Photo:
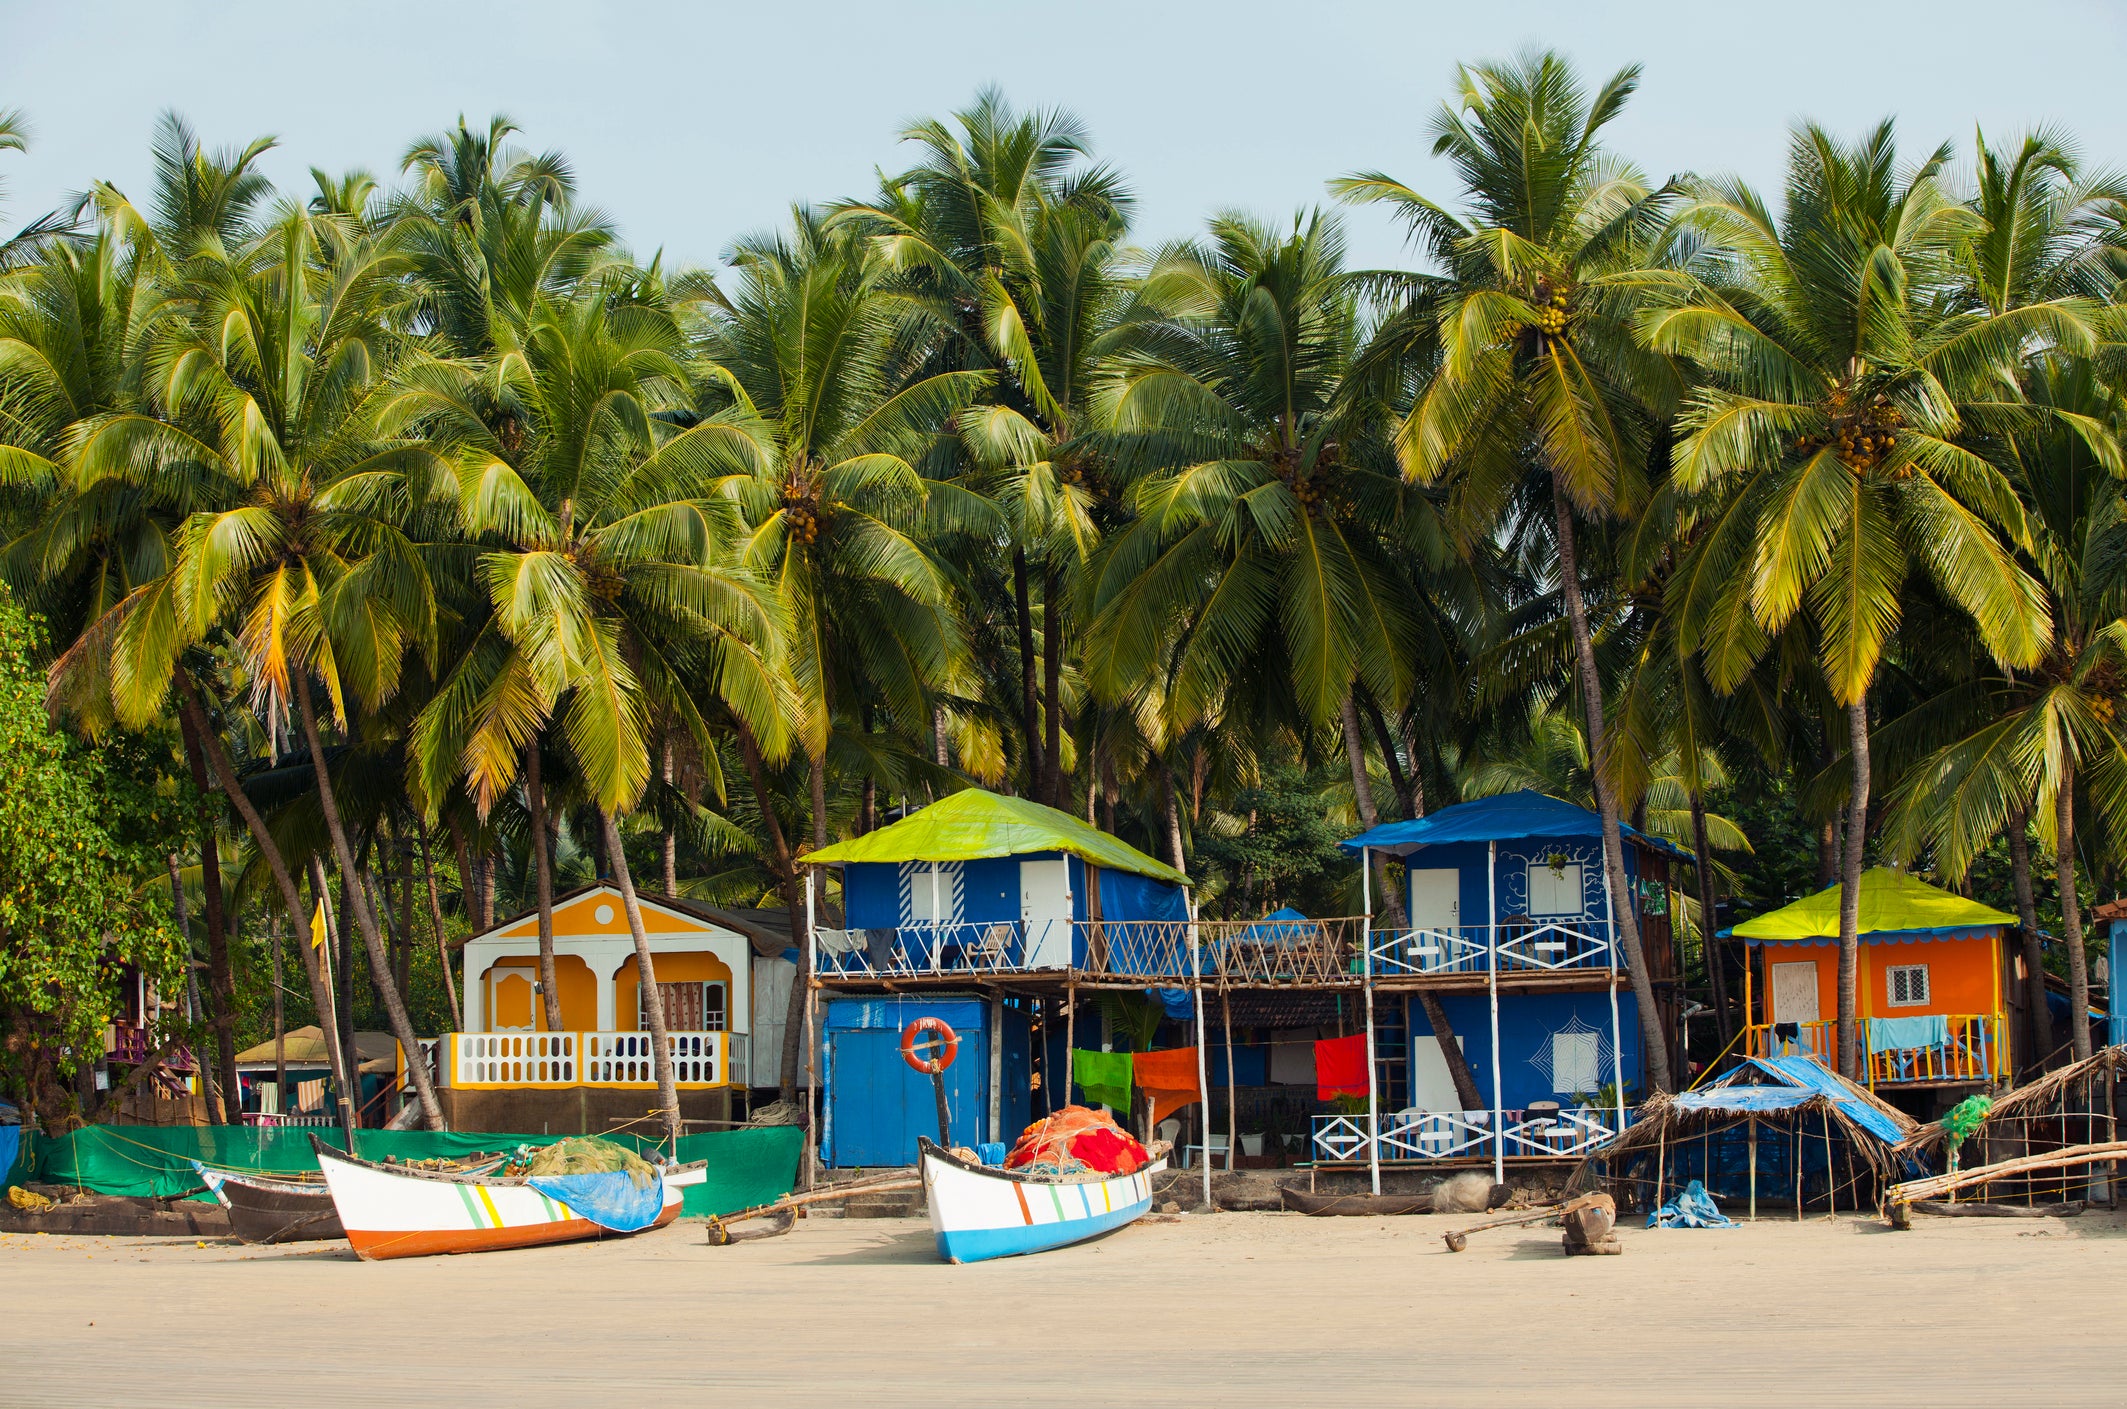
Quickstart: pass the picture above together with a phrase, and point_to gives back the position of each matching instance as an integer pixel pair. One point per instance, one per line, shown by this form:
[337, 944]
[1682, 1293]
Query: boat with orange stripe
[395, 1211]
[979, 1212]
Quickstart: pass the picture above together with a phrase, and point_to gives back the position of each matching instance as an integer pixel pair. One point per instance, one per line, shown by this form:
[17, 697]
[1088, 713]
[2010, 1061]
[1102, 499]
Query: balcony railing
[1249, 953]
[1442, 1135]
[131, 1043]
[1550, 946]
[1968, 1047]
[556, 1059]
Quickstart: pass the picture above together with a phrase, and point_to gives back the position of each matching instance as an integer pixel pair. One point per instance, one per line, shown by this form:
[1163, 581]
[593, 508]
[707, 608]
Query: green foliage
[1284, 852]
[82, 833]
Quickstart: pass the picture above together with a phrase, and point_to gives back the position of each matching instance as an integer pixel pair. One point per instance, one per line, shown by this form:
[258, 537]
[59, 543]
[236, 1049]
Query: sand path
[1236, 1308]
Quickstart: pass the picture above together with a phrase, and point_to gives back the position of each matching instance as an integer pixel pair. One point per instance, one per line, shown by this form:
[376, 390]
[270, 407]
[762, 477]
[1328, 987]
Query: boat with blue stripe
[979, 1213]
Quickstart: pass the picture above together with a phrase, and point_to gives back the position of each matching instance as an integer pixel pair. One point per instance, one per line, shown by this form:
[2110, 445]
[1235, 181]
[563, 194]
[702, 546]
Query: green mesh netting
[745, 1167]
[1965, 1118]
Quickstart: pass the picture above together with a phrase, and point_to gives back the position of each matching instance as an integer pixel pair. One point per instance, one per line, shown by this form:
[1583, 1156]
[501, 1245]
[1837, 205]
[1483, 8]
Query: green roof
[1891, 902]
[971, 825]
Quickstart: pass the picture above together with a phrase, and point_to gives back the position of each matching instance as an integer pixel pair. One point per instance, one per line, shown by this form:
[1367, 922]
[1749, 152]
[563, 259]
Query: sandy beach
[1253, 1308]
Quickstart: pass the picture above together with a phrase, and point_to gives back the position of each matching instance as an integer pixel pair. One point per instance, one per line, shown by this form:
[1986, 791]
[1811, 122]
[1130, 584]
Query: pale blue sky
[691, 124]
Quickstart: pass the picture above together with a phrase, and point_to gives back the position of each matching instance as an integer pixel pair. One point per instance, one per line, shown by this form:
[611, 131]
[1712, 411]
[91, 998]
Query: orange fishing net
[1076, 1139]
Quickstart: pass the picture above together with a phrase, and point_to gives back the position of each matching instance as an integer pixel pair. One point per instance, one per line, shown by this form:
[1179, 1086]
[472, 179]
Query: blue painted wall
[2115, 981]
[1515, 858]
[877, 1105]
[1527, 1022]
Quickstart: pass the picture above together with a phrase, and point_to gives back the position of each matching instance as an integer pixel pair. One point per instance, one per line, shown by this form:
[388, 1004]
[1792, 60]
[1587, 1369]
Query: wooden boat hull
[389, 1213]
[980, 1213]
[1353, 1205]
[274, 1210]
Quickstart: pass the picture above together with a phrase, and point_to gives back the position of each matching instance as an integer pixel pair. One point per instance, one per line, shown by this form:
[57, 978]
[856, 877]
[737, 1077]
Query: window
[1909, 985]
[1554, 890]
[689, 1007]
[1576, 1062]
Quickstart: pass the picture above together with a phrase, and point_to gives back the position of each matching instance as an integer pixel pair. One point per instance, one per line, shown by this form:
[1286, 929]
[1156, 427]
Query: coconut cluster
[801, 513]
[1862, 433]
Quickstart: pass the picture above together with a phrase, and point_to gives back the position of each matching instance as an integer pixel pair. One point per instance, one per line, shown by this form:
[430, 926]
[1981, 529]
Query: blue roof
[1782, 1083]
[1507, 817]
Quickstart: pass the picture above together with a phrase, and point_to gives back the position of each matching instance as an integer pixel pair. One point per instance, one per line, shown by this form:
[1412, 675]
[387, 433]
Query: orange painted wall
[1963, 977]
[691, 966]
[578, 987]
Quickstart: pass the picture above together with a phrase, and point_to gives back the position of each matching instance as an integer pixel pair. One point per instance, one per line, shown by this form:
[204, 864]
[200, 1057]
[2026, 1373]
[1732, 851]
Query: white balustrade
[583, 1058]
[1441, 1135]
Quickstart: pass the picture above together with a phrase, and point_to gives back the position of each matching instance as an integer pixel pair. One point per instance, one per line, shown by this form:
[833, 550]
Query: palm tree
[802, 350]
[1838, 418]
[269, 389]
[609, 567]
[1534, 384]
[1009, 259]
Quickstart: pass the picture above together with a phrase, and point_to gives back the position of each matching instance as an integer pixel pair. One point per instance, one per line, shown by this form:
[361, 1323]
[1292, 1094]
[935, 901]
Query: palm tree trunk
[535, 800]
[1451, 1052]
[1030, 705]
[1857, 814]
[1716, 970]
[291, 897]
[646, 974]
[671, 846]
[1397, 778]
[2039, 1020]
[435, 918]
[1654, 1048]
[221, 980]
[1171, 818]
[1052, 614]
[379, 968]
[2071, 911]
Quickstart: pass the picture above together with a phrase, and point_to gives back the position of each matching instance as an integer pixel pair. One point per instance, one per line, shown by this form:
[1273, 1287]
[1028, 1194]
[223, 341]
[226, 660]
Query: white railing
[1514, 947]
[1438, 1135]
[1252, 952]
[584, 1058]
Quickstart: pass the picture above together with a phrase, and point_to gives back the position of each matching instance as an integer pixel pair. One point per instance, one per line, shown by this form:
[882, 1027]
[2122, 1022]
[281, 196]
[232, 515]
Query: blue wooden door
[881, 1105]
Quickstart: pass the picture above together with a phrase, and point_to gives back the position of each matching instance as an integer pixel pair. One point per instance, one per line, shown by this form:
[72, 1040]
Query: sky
[692, 124]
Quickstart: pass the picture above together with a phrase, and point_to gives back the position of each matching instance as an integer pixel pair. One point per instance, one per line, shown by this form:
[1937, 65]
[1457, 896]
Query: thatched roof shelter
[1775, 1126]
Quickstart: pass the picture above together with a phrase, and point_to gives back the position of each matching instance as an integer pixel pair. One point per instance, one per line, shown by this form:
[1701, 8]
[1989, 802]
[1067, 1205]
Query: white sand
[1255, 1308]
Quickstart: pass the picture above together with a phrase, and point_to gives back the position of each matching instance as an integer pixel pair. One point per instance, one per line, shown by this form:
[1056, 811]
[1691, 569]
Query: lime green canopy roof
[970, 825]
[1891, 901]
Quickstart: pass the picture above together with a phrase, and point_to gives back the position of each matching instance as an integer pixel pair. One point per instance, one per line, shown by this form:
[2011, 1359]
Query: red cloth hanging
[1340, 1067]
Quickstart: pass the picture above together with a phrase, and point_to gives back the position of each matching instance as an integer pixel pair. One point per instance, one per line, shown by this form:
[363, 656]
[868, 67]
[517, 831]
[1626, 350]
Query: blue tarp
[1794, 1081]
[1693, 1207]
[609, 1200]
[1507, 817]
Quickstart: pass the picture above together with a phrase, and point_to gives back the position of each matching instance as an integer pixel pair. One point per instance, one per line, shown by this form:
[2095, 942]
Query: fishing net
[1963, 1122]
[1076, 1140]
[588, 1155]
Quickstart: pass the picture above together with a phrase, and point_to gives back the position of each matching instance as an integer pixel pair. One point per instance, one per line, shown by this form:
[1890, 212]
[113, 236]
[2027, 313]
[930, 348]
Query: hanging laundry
[1104, 1077]
[1169, 1078]
[1340, 1067]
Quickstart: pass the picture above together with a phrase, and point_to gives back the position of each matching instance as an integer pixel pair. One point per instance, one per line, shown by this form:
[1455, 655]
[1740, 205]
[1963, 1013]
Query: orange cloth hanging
[1167, 1078]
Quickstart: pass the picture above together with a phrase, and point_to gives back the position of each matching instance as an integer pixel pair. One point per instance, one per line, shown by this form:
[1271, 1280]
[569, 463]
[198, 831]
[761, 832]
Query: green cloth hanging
[1104, 1077]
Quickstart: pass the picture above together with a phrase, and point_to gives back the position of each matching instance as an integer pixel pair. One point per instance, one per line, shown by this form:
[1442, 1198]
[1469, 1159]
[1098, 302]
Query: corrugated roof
[974, 824]
[1507, 817]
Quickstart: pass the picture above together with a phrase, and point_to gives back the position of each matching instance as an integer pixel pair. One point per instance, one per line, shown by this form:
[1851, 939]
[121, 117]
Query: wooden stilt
[1233, 1099]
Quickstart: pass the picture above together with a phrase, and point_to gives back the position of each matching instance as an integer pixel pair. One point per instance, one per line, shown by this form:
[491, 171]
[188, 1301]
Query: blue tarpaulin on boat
[1508, 817]
[609, 1200]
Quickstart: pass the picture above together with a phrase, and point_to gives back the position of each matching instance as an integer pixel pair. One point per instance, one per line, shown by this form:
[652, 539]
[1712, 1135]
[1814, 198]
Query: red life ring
[929, 1066]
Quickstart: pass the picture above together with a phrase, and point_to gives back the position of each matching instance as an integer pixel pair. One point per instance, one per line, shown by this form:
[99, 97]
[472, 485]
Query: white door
[1436, 899]
[1045, 913]
[1794, 993]
[1432, 1088]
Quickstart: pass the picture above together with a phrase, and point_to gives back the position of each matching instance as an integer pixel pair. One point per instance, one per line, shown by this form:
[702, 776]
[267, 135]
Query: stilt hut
[1783, 1130]
[2070, 1107]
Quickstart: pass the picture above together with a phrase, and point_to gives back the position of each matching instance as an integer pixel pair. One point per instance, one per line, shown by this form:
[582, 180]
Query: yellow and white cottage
[507, 1071]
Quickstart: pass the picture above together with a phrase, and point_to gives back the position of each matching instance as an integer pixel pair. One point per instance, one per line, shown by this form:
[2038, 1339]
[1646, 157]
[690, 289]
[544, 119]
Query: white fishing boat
[394, 1211]
[979, 1212]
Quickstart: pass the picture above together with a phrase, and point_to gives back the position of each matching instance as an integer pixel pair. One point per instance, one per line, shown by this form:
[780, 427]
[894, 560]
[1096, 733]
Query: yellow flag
[317, 927]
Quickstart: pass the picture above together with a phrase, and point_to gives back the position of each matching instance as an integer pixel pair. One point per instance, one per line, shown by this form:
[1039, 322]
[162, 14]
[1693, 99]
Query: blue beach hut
[1512, 927]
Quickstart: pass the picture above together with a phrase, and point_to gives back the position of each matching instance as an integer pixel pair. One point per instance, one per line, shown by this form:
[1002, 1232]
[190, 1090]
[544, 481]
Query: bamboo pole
[1753, 1168]
[1937, 1185]
[1233, 1099]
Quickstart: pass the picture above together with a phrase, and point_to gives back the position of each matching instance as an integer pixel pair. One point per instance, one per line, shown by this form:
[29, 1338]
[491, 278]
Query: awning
[974, 824]
[1892, 902]
[1513, 816]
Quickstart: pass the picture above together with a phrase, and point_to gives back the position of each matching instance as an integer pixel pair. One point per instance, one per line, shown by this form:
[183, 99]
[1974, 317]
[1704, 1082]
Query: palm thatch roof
[2033, 1098]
